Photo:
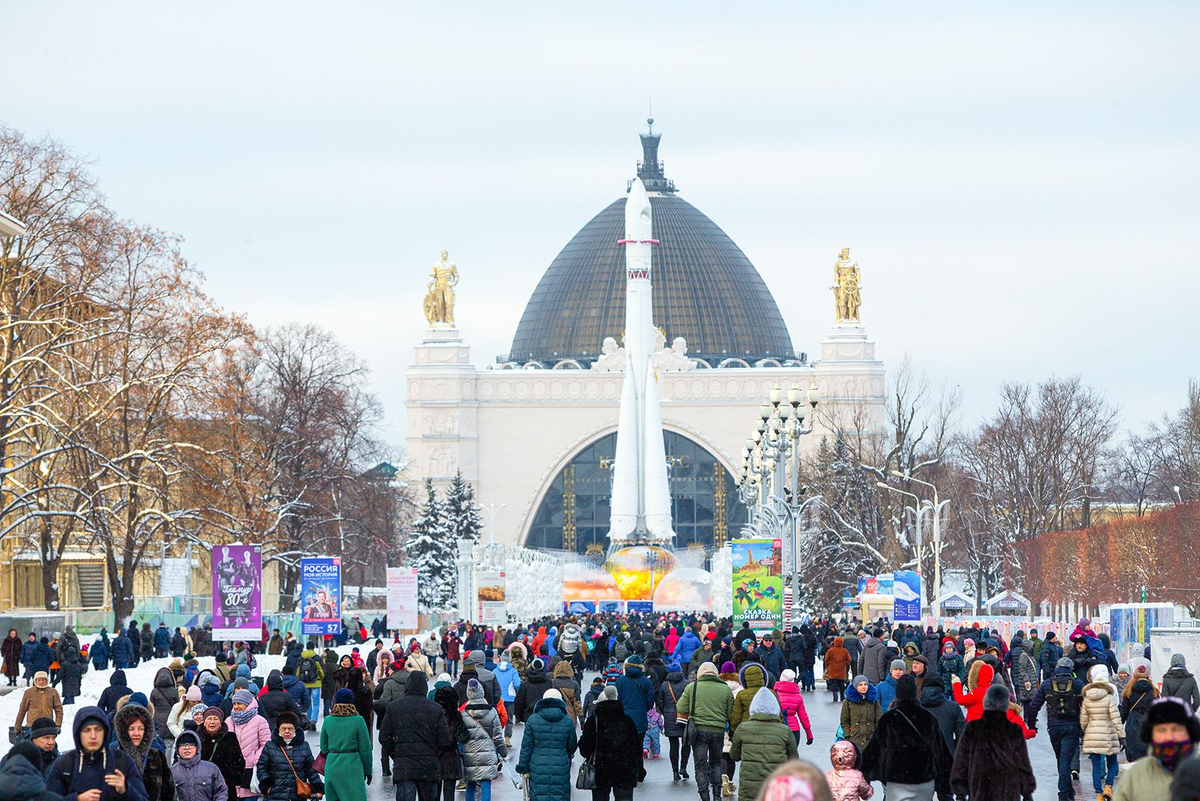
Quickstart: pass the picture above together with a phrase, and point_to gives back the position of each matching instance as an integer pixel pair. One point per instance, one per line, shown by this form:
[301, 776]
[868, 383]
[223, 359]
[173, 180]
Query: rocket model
[641, 500]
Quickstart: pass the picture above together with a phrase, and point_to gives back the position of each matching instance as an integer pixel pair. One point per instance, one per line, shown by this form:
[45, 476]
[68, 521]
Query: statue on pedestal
[847, 288]
[439, 300]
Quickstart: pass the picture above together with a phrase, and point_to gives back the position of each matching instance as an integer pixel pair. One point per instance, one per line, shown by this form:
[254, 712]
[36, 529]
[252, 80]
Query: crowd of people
[928, 714]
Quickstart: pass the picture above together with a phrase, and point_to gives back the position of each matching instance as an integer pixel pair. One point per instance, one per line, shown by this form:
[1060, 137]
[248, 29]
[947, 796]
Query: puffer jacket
[761, 743]
[979, 678]
[547, 746]
[1135, 703]
[532, 688]
[1177, 682]
[252, 736]
[198, 780]
[860, 715]
[21, 780]
[163, 697]
[485, 742]
[414, 732]
[509, 681]
[688, 644]
[156, 773]
[1100, 719]
[276, 780]
[666, 700]
[276, 700]
[753, 677]
[636, 694]
[1024, 672]
[122, 650]
[792, 704]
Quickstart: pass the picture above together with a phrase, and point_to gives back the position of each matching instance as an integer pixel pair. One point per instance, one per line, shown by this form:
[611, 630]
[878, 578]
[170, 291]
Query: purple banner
[237, 592]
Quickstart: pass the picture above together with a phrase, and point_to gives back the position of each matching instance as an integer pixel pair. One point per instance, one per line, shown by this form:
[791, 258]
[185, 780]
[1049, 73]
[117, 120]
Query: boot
[683, 774]
[727, 786]
[508, 742]
[1099, 796]
[1108, 793]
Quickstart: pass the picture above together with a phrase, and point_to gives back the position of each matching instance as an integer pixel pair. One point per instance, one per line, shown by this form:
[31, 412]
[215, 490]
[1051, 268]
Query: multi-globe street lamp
[934, 509]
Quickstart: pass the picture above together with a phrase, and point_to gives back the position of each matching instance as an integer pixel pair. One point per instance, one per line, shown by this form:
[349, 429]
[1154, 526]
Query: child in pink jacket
[792, 704]
[844, 780]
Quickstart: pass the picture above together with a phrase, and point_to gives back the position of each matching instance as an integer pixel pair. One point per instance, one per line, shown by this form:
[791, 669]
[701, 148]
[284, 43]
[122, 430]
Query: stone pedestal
[847, 342]
[442, 425]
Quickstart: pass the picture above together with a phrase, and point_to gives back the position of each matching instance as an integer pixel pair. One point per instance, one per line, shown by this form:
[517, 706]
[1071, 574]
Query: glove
[810, 741]
[1122, 743]
[368, 780]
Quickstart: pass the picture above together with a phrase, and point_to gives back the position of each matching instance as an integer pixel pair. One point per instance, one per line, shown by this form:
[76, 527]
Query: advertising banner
[402, 599]
[639, 607]
[321, 595]
[580, 607]
[491, 609]
[758, 584]
[237, 592]
[906, 595]
[612, 607]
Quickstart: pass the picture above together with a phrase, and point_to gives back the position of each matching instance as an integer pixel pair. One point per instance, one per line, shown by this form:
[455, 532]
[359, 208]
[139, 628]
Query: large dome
[705, 289]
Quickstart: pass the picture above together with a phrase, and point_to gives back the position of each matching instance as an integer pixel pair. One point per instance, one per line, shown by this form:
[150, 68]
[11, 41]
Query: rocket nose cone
[638, 220]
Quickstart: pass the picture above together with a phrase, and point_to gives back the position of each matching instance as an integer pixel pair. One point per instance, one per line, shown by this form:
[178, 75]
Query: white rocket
[641, 500]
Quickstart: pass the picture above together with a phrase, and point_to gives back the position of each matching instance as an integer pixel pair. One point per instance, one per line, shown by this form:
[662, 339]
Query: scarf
[1172, 753]
[243, 717]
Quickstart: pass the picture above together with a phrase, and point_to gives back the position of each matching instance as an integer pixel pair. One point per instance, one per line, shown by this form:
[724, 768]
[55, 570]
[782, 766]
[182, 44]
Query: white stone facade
[511, 431]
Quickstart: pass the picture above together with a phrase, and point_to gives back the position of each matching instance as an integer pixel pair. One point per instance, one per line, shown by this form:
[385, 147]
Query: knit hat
[933, 680]
[859, 679]
[443, 678]
[1123, 668]
[707, 669]
[898, 664]
[344, 696]
[139, 699]
[214, 712]
[1177, 660]
[42, 727]
[198, 709]
[967, 643]
[1064, 663]
[209, 678]
[193, 693]
[787, 675]
[186, 737]
[906, 688]
[675, 667]
[243, 697]
[729, 667]
[552, 694]
[948, 648]
[475, 690]
[1141, 668]
[537, 664]
[241, 683]
[996, 699]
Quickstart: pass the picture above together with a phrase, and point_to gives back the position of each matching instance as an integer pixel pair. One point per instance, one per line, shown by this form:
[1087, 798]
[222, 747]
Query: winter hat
[474, 691]
[968, 643]
[139, 699]
[787, 675]
[609, 694]
[1141, 668]
[552, 694]
[996, 699]
[241, 683]
[345, 696]
[1098, 673]
[897, 664]
[675, 667]
[1123, 668]
[198, 709]
[443, 678]
[243, 671]
[948, 648]
[41, 674]
[42, 727]
[504, 657]
[906, 688]
[210, 678]
[1085, 622]
[214, 712]
[537, 664]
[1064, 663]
[707, 669]
[286, 718]
[1169, 710]
[933, 680]
[729, 667]
[1177, 660]
[193, 693]
[187, 736]
[243, 697]
[859, 679]
[1050, 635]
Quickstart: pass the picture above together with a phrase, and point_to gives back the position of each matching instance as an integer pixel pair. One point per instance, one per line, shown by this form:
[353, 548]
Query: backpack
[1063, 699]
[621, 652]
[307, 672]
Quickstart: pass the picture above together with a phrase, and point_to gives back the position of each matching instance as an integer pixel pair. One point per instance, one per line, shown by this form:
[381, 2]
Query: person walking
[92, 770]
[547, 747]
[484, 748]
[196, 779]
[707, 704]
[1103, 737]
[220, 746]
[509, 681]
[792, 703]
[134, 726]
[837, 669]
[1136, 699]
[163, 698]
[71, 664]
[845, 780]
[860, 712]
[285, 761]
[752, 677]
[636, 694]
[21, 777]
[1062, 695]
[761, 742]
[666, 700]
[1179, 683]
[908, 753]
[450, 760]
[346, 743]
[415, 733]
[311, 674]
[613, 744]
[992, 761]
[39, 701]
[252, 733]
[951, 721]
[10, 651]
[1172, 731]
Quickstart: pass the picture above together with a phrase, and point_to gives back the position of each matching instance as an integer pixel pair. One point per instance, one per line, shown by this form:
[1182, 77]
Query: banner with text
[491, 609]
[402, 599]
[758, 584]
[321, 595]
[237, 593]
[906, 597]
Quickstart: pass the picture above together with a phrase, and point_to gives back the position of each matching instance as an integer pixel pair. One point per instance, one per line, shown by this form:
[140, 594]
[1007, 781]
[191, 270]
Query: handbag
[303, 788]
[319, 763]
[689, 725]
[586, 779]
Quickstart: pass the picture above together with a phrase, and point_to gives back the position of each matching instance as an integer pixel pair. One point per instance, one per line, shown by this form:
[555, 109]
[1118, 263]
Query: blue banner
[640, 607]
[613, 607]
[581, 607]
[906, 592]
[321, 595]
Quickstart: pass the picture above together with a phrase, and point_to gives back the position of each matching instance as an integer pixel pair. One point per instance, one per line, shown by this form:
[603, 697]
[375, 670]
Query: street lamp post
[493, 510]
[936, 507]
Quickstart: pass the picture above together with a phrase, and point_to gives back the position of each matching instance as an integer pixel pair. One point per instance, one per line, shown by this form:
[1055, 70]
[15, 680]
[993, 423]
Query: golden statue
[847, 289]
[439, 300]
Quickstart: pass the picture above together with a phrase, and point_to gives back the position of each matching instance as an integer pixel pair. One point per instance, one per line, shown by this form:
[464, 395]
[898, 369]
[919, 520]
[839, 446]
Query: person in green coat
[753, 678]
[346, 744]
[761, 743]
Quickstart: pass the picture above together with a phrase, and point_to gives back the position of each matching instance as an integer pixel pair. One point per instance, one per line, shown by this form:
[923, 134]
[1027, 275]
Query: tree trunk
[50, 582]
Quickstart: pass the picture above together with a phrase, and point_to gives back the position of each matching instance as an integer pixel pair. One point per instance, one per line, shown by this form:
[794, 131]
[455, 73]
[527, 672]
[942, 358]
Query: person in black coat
[220, 746]
[611, 739]
[134, 725]
[146, 643]
[86, 767]
[178, 643]
[908, 746]
[666, 700]
[414, 734]
[450, 759]
[276, 700]
[949, 715]
[115, 691]
[532, 688]
[284, 760]
[992, 760]
[123, 653]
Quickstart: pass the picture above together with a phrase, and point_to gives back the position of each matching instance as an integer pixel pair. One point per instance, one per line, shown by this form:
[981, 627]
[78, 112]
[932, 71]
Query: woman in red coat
[979, 679]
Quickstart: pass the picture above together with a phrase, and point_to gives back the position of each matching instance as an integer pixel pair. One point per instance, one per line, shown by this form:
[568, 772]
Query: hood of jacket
[20, 779]
[1097, 690]
[752, 676]
[838, 642]
[274, 680]
[89, 714]
[932, 695]
[552, 709]
[416, 684]
[633, 671]
[117, 679]
[563, 670]
[980, 675]
[675, 675]
[765, 703]
[164, 678]
[121, 720]
[854, 696]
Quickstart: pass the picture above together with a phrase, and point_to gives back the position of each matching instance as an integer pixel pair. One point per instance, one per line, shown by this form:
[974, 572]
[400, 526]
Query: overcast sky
[1018, 181]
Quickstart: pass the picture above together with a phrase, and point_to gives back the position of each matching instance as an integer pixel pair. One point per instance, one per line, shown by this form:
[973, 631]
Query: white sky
[1018, 181]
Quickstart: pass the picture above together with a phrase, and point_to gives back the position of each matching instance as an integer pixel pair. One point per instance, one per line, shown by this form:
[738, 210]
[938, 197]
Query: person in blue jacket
[162, 641]
[27, 651]
[636, 693]
[93, 765]
[122, 651]
[688, 644]
[42, 655]
[99, 652]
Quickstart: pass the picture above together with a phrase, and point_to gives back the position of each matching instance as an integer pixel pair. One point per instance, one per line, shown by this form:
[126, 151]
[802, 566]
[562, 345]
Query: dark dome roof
[705, 289]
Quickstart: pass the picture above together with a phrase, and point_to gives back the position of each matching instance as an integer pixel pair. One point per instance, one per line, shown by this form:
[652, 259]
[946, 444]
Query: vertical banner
[237, 592]
[906, 595]
[321, 595]
[490, 608]
[402, 599]
[758, 584]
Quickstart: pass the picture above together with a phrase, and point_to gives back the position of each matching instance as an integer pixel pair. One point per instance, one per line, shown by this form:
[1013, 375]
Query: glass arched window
[576, 509]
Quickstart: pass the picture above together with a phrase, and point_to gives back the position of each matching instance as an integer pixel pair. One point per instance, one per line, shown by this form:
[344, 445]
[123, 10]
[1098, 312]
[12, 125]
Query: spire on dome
[650, 169]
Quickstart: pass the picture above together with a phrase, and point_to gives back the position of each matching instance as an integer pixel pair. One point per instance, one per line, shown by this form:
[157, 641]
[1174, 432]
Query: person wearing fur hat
[39, 701]
[286, 758]
[860, 712]
[908, 753]
[1136, 698]
[1172, 732]
[1103, 737]
[195, 778]
[134, 726]
[992, 760]
[347, 744]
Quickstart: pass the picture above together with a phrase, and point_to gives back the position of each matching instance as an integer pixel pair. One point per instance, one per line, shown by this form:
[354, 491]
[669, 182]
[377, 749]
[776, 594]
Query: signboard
[491, 609]
[757, 584]
[580, 607]
[237, 592]
[639, 607]
[610, 607]
[906, 596]
[402, 598]
[321, 595]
